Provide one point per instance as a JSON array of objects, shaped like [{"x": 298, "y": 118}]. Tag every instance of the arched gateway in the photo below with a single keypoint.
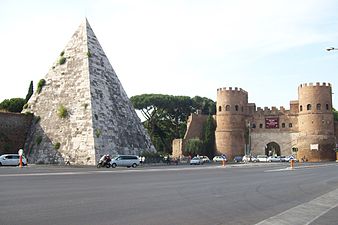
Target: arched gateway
[{"x": 272, "y": 149}]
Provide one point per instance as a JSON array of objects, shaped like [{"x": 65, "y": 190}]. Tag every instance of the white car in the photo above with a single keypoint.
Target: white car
[
  {"x": 125, "y": 160},
  {"x": 205, "y": 159},
  {"x": 262, "y": 158},
  {"x": 12, "y": 160},
  {"x": 249, "y": 158},
  {"x": 274, "y": 159},
  {"x": 219, "y": 158},
  {"x": 196, "y": 161}
]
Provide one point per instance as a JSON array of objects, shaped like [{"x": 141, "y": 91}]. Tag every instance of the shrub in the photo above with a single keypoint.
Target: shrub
[
  {"x": 13, "y": 104},
  {"x": 62, "y": 53},
  {"x": 97, "y": 132},
  {"x": 89, "y": 54},
  {"x": 57, "y": 145},
  {"x": 38, "y": 140},
  {"x": 62, "y": 60},
  {"x": 62, "y": 111},
  {"x": 41, "y": 83},
  {"x": 85, "y": 105}
]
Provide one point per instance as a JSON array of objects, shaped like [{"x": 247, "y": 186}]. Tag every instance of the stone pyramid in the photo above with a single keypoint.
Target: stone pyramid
[{"x": 81, "y": 110}]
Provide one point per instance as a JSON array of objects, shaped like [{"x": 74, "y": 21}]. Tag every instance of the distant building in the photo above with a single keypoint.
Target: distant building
[{"x": 307, "y": 129}]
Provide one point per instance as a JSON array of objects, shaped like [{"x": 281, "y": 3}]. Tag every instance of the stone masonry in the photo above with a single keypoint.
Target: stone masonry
[
  {"x": 97, "y": 116},
  {"x": 307, "y": 130}
]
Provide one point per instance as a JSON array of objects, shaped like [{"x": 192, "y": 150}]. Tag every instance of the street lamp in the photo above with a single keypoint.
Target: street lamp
[
  {"x": 336, "y": 150},
  {"x": 331, "y": 49}
]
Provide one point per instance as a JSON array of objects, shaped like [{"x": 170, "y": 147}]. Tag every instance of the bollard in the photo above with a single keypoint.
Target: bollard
[
  {"x": 20, "y": 161},
  {"x": 223, "y": 162},
  {"x": 292, "y": 163}
]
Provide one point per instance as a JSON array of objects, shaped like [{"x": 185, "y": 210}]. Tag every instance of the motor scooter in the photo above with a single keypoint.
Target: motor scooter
[{"x": 104, "y": 163}]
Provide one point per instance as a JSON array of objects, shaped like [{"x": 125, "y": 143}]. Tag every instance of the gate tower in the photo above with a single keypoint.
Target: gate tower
[{"x": 231, "y": 113}]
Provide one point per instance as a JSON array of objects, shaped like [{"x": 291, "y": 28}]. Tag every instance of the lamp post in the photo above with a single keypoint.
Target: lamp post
[
  {"x": 336, "y": 149},
  {"x": 249, "y": 139}
]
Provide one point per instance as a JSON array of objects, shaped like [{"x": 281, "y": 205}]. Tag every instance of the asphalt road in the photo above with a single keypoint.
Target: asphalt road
[{"x": 199, "y": 195}]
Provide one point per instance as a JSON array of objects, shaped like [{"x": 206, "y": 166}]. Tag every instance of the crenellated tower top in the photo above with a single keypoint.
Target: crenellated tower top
[
  {"x": 317, "y": 84},
  {"x": 231, "y": 89}
]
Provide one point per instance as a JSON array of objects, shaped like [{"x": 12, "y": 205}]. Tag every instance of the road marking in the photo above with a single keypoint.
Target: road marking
[
  {"x": 300, "y": 167},
  {"x": 107, "y": 171},
  {"x": 305, "y": 213},
  {"x": 278, "y": 170}
]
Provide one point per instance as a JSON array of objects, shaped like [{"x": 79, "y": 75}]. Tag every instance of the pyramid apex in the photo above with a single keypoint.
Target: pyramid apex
[{"x": 86, "y": 20}]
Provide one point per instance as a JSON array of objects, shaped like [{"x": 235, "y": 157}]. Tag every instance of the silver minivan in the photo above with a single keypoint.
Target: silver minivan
[{"x": 125, "y": 160}]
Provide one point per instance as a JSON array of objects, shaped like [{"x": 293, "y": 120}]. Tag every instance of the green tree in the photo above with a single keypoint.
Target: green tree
[
  {"x": 194, "y": 147},
  {"x": 335, "y": 114},
  {"x": 209, "y": 136},
  {"x": 12, "y": 105},
  {"x": 205, "y": 105},
  {"x": 30, "y": 92},
  {"x": 166, "y": 116}
]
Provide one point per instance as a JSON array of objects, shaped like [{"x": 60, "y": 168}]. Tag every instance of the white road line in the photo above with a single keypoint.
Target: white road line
[
  {"x": 300, "y": 167},
  {"x": 107, "y": 171},
  {"x": 305, "y": 213},
  {"x": 278, "y": 170}
]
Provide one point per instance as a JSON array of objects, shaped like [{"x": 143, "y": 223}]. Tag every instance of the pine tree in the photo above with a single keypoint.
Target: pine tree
[
  {"x": 30, "y": 92},
  {"x": 209, "y": 136}
]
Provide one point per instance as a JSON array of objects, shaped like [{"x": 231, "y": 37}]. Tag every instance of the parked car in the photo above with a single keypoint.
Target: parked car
[
  {"x": 283, "y": 158},
  {"x": 205, "y": 159},
  {"x": 289, "y": 158},
  {"x": 249, "y": 158},
  {"x": 125, "y": 160},
  {"x": 196, "y": 161},
  {"x": 262, "y": 158},
  {"x": 274, "y": 159},
  {"x": 238, "y": 159},
  {"x": 219, "y": 158},
  {"x": 12, "y": 160}
]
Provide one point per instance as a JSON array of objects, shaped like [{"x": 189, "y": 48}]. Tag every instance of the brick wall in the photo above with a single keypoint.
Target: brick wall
[{"x": 13, "y": 131}]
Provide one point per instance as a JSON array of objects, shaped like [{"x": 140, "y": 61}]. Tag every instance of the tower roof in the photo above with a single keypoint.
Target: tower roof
[{"x": 99, "y": 116}]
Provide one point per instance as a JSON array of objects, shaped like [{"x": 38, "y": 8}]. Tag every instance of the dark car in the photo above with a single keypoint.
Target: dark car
[{"x": 238, "y": 159}]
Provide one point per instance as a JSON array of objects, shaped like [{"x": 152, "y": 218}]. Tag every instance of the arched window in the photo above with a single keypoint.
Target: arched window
[
  {"x": 327, "y": 106},
  {"x": 308, "y": 107},
  {"x": 227, "y": 108},
  {"x": 253, "y": 125},
  {"x": 260, "y": 125},
  {"x": 319, "y": 106},
  {"x": 290, "y": 124},
  {"x": 236, "y": 107},
  {"x": 283, "y": 125},
  {"x": 219, "y": 108},
  {"x": 301, "y": 108}
]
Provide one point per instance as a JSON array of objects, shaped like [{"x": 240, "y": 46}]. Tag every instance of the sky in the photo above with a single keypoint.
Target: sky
[{"x": 180, "y": 47}]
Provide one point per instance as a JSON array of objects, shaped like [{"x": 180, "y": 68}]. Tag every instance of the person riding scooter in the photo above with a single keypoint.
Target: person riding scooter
[{"x": 104, "y": 161}]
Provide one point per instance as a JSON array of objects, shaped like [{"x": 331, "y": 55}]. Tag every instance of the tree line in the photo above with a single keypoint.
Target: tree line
[{"x": 166, "y": 116}]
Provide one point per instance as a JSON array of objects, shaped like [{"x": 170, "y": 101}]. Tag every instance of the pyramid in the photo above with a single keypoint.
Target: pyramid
[{"x": 81, "y": 110}]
